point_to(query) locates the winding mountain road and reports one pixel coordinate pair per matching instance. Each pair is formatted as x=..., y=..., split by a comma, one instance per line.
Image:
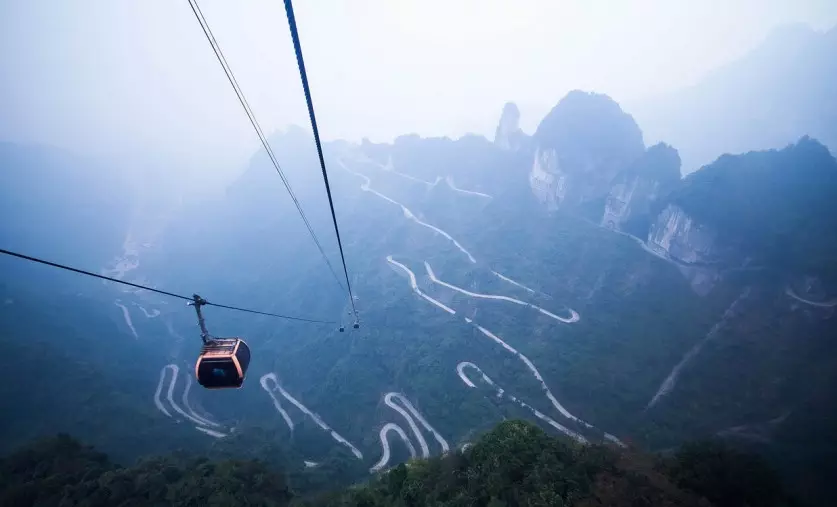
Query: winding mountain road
x=821, y=304
x=574, y=317
x=127, y=316
x=188, y=405
x=410, y=414
x=526, y=361
x=366, y=186
x=385, y=457
x=157, y=402
x=150, y=315
x=407, y=411
x=460, y=369
x=415, y=288
x=390, y=399
x=316, y=418
x=447, y=179
x=211, y=433
x=509, y=280
x=190, y=415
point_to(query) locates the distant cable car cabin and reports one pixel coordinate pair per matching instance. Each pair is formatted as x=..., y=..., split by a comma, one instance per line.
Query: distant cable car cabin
x=223, y=362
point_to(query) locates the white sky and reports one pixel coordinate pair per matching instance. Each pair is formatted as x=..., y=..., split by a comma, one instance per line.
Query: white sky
x=136, y=79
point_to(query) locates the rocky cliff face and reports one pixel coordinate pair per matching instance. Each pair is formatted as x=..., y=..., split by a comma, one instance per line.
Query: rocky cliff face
x=580, y=146
x=776, y=207
x=627, y=196
x=547, y=179
x=677, y=235
x=509, y=136
x=635, y=188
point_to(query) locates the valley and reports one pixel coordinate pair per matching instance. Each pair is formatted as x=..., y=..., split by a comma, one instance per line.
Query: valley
x=447, y=298
x=494, y=281
x=627, y=296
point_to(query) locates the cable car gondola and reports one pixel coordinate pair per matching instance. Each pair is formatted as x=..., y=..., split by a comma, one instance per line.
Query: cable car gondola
x=223, y=362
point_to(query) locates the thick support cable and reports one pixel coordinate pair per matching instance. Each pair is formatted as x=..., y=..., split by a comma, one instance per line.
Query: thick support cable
x=158, y=291
x=289, y=10
x=216, y=48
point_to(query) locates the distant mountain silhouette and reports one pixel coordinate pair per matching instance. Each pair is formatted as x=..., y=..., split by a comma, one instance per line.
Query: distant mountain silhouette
x=778, y=206
x=780, y=91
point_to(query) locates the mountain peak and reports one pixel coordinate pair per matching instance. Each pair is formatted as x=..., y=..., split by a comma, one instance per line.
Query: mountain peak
x=590, y=118
x=508, y=133
x=580, y=146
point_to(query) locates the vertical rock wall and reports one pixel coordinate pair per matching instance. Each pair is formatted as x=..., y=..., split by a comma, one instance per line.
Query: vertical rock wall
x=678, y=236
x=548, y=181
x=633, y=191
x=618, y=203
x=580, y=147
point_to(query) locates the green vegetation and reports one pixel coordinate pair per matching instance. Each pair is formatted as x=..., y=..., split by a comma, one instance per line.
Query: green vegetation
x=514, y=464
x=777, y=206
x=726, y=477
x=592, y=136
x=89, y=376
x=62, y=472
x=651, y=177
x=659, y=163
x=638, y=318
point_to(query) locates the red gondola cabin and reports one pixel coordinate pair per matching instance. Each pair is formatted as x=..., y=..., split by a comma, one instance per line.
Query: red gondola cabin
x=222, y=363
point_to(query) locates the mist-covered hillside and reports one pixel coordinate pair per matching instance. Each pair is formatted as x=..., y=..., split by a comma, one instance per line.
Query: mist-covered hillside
x=84, y=205
x=777, y=207
x=479, y=301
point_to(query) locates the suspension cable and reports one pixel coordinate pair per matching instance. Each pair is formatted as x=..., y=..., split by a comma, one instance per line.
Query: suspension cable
x=216, y=48
x=289, y=9
x=158, y=291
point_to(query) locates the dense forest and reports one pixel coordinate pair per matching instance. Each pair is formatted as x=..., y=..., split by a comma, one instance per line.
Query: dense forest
x=516, y=463
x=776, y=206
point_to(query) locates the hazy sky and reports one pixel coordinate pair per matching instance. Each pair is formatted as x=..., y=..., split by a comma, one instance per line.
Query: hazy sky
x=136, y=78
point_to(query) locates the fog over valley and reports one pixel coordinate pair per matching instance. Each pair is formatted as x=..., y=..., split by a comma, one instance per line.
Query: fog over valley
x=546, y=253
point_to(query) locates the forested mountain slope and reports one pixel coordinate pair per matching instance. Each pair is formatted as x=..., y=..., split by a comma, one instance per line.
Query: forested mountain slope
x=61, y=471
x=777, y=207
x=478, y=301
x=514, y=464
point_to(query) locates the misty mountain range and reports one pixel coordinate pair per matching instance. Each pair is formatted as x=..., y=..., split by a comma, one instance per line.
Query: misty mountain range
x=777, y=93
x=571, y=277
